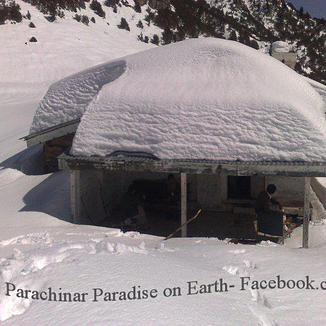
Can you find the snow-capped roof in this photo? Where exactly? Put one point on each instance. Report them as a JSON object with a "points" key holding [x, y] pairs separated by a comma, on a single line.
{"points": [[67, 99], [206, 98], [199, 99], [280, 46]]}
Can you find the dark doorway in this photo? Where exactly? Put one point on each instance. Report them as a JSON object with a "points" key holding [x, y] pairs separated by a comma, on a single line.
{"points": [[239, 187]]}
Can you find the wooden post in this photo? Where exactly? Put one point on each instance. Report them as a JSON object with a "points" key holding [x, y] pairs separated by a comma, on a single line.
{"points": [[183, 204], [75, 196], [306, 215]]}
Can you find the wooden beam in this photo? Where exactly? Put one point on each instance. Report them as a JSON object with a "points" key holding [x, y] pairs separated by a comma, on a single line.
{"points": [[67, 162], [306, 215], [184, 204]]}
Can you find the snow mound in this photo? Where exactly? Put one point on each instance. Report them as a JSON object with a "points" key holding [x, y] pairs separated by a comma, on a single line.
{"points": [[280, 46], [67, 99], [206, 99]]}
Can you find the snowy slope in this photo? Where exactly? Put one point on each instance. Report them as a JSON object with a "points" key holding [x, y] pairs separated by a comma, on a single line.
{"points": [[320, 88], [40, 248], [27, 70]]}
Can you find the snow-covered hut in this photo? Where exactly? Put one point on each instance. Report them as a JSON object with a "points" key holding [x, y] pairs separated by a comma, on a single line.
{"points": [[282, 51], [224, 117]]}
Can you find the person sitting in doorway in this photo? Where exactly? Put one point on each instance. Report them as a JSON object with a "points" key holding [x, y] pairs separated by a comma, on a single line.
{"points": [[265, 202], [271, 216], [133, 210]]}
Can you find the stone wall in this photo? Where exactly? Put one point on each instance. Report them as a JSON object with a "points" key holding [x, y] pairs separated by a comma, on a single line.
{"points": [[288, 58], [288, 189]]}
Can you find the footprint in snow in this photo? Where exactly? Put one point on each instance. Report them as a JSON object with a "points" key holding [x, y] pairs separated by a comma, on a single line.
{"points": [[250, 264], [161, 248], [238, 251], [132, 234], [260, 299], [20, 264], [260, 309], [262, 318], [36, 238], [267, 244], [235, 270]]}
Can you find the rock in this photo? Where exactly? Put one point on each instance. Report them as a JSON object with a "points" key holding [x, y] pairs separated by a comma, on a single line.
{"points": [[33, 39], [32, 25]]}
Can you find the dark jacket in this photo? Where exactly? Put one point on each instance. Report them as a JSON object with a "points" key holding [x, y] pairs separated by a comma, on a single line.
{"points": [[263, 202]]}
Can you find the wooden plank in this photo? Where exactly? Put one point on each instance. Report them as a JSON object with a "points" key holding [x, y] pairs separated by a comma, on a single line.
{"points": [[182, 225], [184, 204], [306, 214]]}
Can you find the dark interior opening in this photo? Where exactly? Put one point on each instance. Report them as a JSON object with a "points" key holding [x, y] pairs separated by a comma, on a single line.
{"points": [[239, 187]]}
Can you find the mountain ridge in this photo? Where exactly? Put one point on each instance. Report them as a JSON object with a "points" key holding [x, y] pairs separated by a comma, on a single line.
{"points": [[256, 23]]}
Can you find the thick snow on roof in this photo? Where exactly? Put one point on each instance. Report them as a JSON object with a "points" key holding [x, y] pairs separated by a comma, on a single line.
{"points": [[68, 98], [206, 98], [280, 46]]}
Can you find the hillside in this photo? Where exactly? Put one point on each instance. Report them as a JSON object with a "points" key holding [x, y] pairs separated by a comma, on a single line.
{"points": [[256, 23], [41, 249]]}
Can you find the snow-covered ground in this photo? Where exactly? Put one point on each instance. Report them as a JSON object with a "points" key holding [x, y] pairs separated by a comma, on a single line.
{"points": [[41, 249]]}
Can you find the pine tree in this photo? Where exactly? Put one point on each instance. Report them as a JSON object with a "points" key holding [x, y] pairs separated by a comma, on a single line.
{"points": [[124, 24], [140, 24], [155, 39], [97, 8], [167, 36], [137, 7]]}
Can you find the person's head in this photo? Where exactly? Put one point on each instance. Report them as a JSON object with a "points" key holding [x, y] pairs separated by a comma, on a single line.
{"points": [[271, 189]]}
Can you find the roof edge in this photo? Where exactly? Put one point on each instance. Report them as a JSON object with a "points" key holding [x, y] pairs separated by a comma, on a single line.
{"points": [[217, 167], [51, 133]]}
